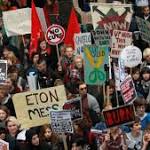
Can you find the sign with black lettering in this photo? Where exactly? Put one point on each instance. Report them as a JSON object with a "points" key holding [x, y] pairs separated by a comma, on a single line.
{"points": [[32, 108], [3, 71], [61, 121], [75, 108], [101, 37], [118, 116], [128, 90]]}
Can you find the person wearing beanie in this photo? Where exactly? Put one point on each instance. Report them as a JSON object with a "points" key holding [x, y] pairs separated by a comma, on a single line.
{"points": [[33, 142]]}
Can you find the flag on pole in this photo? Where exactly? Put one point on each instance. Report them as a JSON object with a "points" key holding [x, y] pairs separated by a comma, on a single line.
{"points": [[36, 30], [73, 27]]}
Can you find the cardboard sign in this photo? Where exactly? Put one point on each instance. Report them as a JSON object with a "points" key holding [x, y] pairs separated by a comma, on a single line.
{"points": [[4, 145], [128, 90], [81, 39], [111, 16], [74, 106], [95, 58], [120, 39], [3, 71], [32, 108], [144, 28], [131, 55], [119, 116], [101, 37], [55, 34], [61, 121]]}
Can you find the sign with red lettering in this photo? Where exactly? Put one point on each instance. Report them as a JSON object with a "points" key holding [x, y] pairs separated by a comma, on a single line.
{"points": [[128, 90], [120, 39], [55, 34], [119, 116], [74, 105]]}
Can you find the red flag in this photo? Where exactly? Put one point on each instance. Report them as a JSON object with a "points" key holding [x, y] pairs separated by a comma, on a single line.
{"points": [[36, 30], [73, 27]]}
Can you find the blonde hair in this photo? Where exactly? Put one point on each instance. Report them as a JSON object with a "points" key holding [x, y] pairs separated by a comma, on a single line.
{"points": [[146, 52], [13, 119]]}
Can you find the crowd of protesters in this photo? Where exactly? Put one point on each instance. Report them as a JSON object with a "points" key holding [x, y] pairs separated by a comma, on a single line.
{"points": [[68, 70]]}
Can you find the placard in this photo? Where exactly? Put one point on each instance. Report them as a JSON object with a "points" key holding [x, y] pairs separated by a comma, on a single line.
{"points": [[4, 145], [55, 34], [101, 37], [95, 58], [3, 71], [120, 39], [32, 108], [144, 28], [118, 116], [128, 91], [111, 16], [81, 39], [131, 55], [74, 106], [61, 121]]}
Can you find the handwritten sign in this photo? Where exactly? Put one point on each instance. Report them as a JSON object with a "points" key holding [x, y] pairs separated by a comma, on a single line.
{"points": [[101, 37], [119, 116], [81, 39], [131, 55], [32, 108], [95, 57], [111, 16], [120, 39], [61, 121], [3, 71], [74, 105], [128, 90]]}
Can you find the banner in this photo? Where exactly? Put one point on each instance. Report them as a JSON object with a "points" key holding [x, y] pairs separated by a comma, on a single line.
{"points": [[61, 121], [119, 116], [81, 39], [101, 37], [142, 3], [144, 28], [128, 91], [120, 39], [74, 106], [3, 71], [95, 58], [32, 108], [4, 145], [111, 16], [18, 22]]}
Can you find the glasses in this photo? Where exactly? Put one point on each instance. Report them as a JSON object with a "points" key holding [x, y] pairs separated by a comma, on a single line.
{"points": [[84, 88]]}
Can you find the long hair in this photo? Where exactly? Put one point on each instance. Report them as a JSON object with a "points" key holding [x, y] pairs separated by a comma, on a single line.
{"points": [[54, 138]]}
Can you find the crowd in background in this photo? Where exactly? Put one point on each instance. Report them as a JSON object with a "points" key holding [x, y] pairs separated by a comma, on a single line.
{"points": [[68, 70]]}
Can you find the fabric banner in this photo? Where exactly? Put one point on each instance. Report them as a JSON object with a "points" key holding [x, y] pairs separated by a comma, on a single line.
{"points": [[101, 37], [144, 27], [32, 108], [95, 58], [111, 16], [142, 3], [18, 22], [81, 39], [61, 121], [120, 39]]}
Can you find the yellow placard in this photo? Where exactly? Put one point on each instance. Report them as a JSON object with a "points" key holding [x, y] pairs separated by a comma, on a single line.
{"points": [[32, 108]]}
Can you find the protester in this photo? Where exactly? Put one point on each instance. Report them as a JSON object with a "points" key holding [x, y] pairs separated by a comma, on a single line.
{"points": [[4, 113]]}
